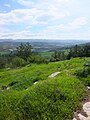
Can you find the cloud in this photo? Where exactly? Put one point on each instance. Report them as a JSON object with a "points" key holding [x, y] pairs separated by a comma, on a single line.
{"points": [[53, 8], [20, 16], [15, 35], [78, 22], [49, 33], [31, 16], [44, 19]]}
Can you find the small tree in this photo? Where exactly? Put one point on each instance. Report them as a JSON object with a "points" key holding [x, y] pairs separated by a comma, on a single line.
{"points": [[24, 50]]}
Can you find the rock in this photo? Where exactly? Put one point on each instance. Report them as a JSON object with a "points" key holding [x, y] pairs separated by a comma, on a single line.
{"points": [[74, 119], [88, 87], [35, 83], [8, 88], [86, 108], [54, 74], [81, 117]]}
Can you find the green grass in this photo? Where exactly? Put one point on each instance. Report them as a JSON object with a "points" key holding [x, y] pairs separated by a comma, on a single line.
{"points": [[46, 54], [50, 99], [4, 53]]}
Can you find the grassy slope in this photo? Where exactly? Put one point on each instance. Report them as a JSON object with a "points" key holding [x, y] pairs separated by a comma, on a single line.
{"points": [[51, 98]]}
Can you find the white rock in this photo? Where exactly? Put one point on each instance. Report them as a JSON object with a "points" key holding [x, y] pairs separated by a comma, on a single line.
{"points": [[35, 83], [8, 88], [81, 117], [53, 75], [74, 119], [86, 108], [88, 87]]}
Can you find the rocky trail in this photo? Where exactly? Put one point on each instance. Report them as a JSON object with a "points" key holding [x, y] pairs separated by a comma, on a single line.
{"points": [[84, 113]]}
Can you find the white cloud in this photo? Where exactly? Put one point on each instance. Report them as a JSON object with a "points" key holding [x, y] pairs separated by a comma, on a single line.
{"points": [[53, 16], [48, 34], [78, 22], [52, 8], [15, 35], [54, 29], [19, 16], [31, 16], [40, 12]]}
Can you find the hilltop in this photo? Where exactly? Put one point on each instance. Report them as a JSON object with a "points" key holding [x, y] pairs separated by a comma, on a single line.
{"points": [[28, 93]]}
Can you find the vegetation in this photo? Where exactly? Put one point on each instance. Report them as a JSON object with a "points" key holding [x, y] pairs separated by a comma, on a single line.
{"points": [[50, 98], [72, 52], [26, 91], [24, 50], [24, 55]]}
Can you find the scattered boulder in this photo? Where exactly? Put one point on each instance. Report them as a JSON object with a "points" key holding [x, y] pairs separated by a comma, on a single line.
{"points": [[86, 108], [35, 82], [74, 119], [88, 87], [53, 75], [8, 88]]}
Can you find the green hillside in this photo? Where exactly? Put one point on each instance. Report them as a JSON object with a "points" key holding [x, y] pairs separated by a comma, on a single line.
{"points": [[27, 93]]}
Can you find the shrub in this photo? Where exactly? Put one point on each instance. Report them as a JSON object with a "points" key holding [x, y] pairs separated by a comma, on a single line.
{"points": [[37, 59], [2, 63], [81, 72], [17, 62]]}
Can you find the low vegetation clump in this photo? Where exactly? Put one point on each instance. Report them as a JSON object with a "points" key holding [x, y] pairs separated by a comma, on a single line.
{"points": [[53, 99]]}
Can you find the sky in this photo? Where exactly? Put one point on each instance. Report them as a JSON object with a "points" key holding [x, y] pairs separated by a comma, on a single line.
{"points": [[45, 19]]}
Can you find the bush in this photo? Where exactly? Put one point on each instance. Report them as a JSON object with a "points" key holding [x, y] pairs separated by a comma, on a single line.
{"points": [[37, 59], [2, 63], [17, 62], [81, 72]]}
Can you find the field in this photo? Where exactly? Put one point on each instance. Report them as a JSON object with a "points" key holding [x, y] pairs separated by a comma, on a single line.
{"points": [[27, 93], [46, 54]]}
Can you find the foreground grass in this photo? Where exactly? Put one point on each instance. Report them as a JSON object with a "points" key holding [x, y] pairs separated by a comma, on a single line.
{"points": [[50, 99]]}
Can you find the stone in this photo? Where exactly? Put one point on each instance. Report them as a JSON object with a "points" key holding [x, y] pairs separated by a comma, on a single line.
{"points": [[74, 119], [54, 74], [86, 108], [35, 83]]}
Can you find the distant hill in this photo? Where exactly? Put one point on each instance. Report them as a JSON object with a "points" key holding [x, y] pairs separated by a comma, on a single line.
{"points": [[39, 45]]}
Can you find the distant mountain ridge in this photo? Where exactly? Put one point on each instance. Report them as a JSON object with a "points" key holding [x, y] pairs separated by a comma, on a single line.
{"points": [[40, 45], [68, 41]]}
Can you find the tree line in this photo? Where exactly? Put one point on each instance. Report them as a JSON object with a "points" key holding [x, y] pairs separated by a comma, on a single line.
{"points": [[24, 55], [72, 52]]}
